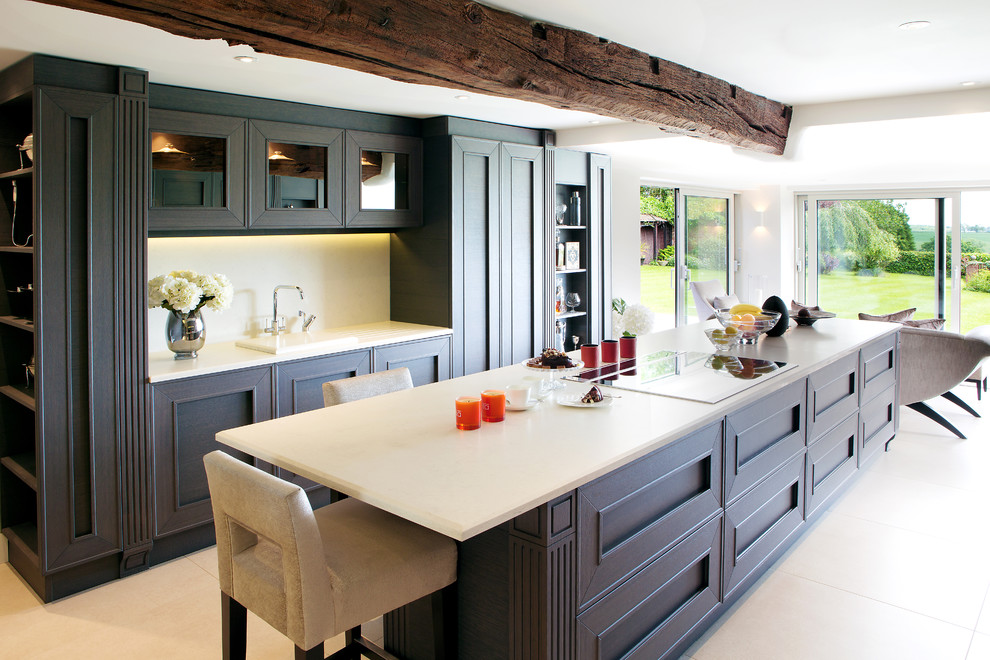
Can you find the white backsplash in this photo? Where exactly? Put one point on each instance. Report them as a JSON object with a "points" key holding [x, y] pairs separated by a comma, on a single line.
{"points": [[345, 278]]}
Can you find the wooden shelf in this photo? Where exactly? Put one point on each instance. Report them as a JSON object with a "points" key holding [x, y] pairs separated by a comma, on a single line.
{"points": [[25, 536], [20, 394], [570, 315], [17, 249], [18, 322], [562, 271], [24, 467], [17, 174]]}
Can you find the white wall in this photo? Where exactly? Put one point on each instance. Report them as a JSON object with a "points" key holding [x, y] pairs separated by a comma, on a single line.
{"points": [[625, 231], [345, 279], [764, 244]]}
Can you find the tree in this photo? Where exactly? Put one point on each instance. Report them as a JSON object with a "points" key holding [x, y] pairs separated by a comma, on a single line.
{"points": [[964, 245], [892, 218], [846, 228], [658, 202]]}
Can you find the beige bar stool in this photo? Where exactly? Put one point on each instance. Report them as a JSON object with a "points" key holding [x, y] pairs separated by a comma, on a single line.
{"points": [[315, 574], [361, 387]]}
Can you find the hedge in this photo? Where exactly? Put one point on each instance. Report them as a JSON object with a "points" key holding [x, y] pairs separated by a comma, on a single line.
{"points": [[923, 263]]}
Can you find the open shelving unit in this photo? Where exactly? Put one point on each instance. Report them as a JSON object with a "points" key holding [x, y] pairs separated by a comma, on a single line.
{"points": [[19, 445], [571, 279]]}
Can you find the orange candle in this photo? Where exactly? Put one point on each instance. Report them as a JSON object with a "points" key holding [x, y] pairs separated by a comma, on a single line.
{"points": [[468, 413], [493, 405]]}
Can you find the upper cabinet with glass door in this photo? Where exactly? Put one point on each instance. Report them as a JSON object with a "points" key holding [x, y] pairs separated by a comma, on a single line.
{"points": [[197, 171], [384, 178], [296, 176]]}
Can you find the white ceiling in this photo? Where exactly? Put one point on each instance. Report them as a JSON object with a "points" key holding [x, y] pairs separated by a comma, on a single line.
{"points": [[797, 52]]}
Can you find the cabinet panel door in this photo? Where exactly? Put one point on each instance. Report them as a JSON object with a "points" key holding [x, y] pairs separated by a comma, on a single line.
{"points": [[878, 367], [307, 191], [428, 360], [833, 395], [300, 384], [299, 388], [878, 423], [76, 386], [831, 461], [187, 416], [632, 515], [761, 522], [646, 616], [600, 235], [760, 437], [383, 180], [195, 199], [522, 247], [475, 253]]}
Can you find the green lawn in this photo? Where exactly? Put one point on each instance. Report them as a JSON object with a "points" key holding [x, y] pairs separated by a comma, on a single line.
{"points": [[845, 294]]}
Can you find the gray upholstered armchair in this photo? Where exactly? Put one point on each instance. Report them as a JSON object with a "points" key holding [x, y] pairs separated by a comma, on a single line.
{"points": [[932, 363]]}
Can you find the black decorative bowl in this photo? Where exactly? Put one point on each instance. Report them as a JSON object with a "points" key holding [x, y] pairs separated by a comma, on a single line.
{"points": [[812, 317]]}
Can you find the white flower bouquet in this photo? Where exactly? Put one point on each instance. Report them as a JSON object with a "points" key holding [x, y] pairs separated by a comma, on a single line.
{"points": [[185, 292], [630, 320]]}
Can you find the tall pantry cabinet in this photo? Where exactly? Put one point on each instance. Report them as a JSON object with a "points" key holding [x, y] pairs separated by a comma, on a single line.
{"points": [[72, 433]]}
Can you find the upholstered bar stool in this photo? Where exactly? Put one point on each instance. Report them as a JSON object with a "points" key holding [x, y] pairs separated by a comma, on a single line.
{"points": [[315, 574], [361, 387]]}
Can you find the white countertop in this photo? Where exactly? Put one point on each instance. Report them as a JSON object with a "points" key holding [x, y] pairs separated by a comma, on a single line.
{"points": [[402, 453], [225, 356]]}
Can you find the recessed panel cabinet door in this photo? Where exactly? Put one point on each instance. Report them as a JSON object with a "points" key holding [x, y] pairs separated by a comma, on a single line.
{"points": [[188, 414], [75, 329]]}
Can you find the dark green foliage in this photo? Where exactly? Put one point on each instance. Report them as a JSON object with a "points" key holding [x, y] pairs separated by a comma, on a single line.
{"points": [[891, 218], [920, 262], [964, 245], [658, 202], [979, 282]]}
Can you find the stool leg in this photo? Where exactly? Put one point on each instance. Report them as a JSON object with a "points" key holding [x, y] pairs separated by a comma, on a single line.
{"points": [[315, 653], [233, 628]]}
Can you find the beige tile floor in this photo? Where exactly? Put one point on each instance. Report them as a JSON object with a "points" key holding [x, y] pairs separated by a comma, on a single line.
{"points": [[896, 569]]}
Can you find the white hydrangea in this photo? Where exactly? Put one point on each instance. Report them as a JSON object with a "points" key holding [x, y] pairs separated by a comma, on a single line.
{"points": [[637, 319], [217, 289], [155, 294], [181, 294], [185, 291]]}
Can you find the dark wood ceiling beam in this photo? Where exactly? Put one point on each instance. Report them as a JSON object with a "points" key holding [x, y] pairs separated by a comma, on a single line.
{"points": [[468, 46]]}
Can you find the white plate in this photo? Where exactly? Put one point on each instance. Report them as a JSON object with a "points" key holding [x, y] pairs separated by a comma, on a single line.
{"points": [[526, 406], [574, 400]]}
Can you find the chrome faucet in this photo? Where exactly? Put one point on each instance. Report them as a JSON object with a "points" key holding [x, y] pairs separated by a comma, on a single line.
{"points": [[276, 325], [307, 320]]}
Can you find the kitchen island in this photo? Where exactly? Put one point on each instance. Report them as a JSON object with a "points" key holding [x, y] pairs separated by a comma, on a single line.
{"points": [[610, 532]]}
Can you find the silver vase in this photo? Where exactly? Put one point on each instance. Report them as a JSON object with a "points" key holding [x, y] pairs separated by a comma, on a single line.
{"points": [[185, 334]]}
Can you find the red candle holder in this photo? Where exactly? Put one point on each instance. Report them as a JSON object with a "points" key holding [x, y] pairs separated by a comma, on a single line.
{"points": [[468, 410], [492, 406]]}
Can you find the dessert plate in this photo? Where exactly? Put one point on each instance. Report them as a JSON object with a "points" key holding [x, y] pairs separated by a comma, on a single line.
{"points": [[574, 401]]}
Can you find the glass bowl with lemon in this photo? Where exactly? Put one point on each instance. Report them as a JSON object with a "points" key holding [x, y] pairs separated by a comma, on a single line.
{"points": [[749, 321], [723, 339]]}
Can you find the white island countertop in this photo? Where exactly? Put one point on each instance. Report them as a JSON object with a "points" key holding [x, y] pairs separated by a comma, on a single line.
{"points": [[227, 356], [402, 453]]}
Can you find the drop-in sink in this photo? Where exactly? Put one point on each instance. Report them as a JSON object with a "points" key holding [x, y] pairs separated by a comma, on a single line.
{"points": [[298, 341]]}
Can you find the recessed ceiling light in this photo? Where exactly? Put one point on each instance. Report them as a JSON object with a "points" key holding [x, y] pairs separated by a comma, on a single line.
{"points": [[915, 25], [594, 121], [969, 83], [462, 97], [246, 59]]}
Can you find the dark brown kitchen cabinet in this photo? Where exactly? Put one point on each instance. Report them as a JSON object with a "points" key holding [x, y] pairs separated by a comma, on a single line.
{"points": [[383, 180], [428, 360], [634, 514], [762, 436], [295, 176], [832, 460], [79, 223], [761, 523], [188, 414], [197, 172]]}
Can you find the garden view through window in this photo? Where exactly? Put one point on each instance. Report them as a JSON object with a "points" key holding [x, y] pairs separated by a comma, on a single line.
{"points": [[884, 255]]}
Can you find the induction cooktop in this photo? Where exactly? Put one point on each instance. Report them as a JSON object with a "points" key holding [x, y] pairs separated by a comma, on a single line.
{"points": [[704, 377]]}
